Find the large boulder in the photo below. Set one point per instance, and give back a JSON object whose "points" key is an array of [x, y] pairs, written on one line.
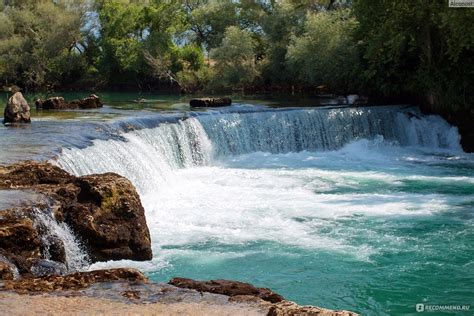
{"points": [[110, 218], [104, 212], [58, 103], [17, 110]]}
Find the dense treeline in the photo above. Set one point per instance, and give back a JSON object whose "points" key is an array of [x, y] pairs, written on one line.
{"points": [[405, 48]]}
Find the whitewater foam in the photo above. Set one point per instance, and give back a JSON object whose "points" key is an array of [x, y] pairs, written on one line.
{"points": [[282, 177]]}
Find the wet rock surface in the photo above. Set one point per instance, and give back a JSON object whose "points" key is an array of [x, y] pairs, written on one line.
{"points": [[17, 110], [58, 103], [227, 287], [104, 212], [74, 281]]}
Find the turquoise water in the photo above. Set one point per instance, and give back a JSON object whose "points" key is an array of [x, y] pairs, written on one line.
{"points": [[369, 210], [377, 241]]}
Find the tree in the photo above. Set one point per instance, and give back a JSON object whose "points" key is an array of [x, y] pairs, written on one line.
{"points": [[326, 54], [417, 48], [235, 59], [38, 43]]}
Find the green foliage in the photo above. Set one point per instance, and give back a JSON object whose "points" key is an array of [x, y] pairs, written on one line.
{"points": [[378, 47], [325, 54], [35, 39], [209, 19], [235, 59], [420, 48]]}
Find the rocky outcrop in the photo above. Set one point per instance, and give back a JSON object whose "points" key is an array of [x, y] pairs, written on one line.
{"points": [[17, 110], [74, 281], [58, 103], [227, 287], [109, 216], [129, 285], [104, 211], [19, 240], [210, 102], [245, 292]]}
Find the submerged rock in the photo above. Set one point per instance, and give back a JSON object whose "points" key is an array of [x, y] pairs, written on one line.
{"points": [[17, 110], [58, 103], [104, 212], [44, 267], [227, 287], [210, 102]]}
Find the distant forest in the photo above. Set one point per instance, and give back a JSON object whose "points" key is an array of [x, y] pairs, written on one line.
{"points": [[398, 49]]}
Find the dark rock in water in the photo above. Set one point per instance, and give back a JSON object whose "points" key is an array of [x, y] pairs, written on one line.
{"points": [[44, 267], [53, 103], [74, 281], [53, 247], [17, 110], [58, 103], [104, 211], [91, 102], [210, 102], [227, 287]]}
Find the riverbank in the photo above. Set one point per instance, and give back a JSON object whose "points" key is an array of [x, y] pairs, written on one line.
{"points": [[129, 298], [71, 222]]}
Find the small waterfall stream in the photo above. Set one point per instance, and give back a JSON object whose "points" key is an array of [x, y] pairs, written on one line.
{"points": [[53, 232]]}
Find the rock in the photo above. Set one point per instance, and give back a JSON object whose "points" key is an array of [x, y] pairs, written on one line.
{"points": [[110, 218], [74, 281], [53, 103], [104, 212], [17, 110], [44, 267], [227, 287], [58, 103], [26, 174], [210, 102], [287, 308], [6, 271], [19, 240], [129, 285], [91, 102]]}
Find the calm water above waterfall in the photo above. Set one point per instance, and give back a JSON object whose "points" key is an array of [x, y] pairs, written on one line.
{"points": [[366, 209]]}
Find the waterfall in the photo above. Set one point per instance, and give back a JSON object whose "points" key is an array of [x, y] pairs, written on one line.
{"points": [[147, 156], [53, 231]]}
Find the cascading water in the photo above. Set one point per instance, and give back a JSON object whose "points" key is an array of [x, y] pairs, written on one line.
{"points": [[349, 208], [54, 231], [149, 154]]}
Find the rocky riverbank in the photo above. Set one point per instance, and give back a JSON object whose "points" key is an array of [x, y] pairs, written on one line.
{"points": [[128, 291], [104, 213]]}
